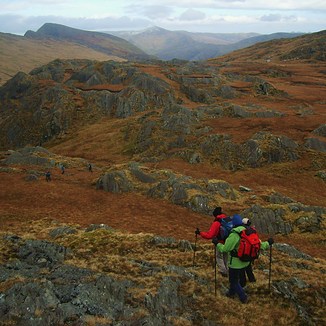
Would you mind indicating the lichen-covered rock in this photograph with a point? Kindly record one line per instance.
(322, 175)
(115, 181)
(291, 251)
(320, 131)
(61, 231)
(268, 220)
(277, 198)
(309, 223)
(42, 253)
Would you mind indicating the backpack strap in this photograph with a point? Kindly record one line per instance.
(234, 252)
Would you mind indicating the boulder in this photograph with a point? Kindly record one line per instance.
(315, 144)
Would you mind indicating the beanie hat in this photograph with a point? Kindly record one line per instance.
(217, 211)
(246, 221)
(237, 220)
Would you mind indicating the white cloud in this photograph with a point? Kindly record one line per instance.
(152, 11)
(279, 18)
(192, 14)
(271, 18)
(239, 4)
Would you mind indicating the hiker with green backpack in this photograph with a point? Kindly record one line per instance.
(238, 257)
(218, 230)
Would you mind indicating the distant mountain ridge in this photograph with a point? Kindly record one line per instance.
(183, 45)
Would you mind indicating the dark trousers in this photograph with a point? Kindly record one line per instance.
(235, 288)
(247, 272)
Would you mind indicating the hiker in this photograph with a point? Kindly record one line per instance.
(248, 270)
(90, 167)
(237, 266)
(63, 169)
(48, 176)
(221, 258)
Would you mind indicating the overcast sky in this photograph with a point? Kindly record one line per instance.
(216, 16)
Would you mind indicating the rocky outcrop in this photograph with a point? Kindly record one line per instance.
(30, 156)
(275, 219)
(237, 111)
(295, 290)
(320, 131)
(202, 196)
(66, 93)
(41, 157)
(155, 137)
(263, 148)
(268, 220)
(54, 293)
(198, 195)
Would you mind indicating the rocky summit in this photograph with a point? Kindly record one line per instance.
(107, 168)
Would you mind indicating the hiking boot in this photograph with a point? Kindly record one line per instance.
(244, 300)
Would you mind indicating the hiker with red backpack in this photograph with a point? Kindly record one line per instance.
(214, 231)
(239, 257)
(248, 270)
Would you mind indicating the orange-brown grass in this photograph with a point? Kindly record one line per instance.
(6, 285)
(72, 198)
(96, 321)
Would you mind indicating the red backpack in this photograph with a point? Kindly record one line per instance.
(249, 246)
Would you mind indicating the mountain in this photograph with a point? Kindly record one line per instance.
(102, 42)
(168, 142)
(168, 45)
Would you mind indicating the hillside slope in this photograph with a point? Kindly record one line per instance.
(53, 41)
(305, 47)
(223, 118)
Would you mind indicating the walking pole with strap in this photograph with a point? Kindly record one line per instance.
(215, 267)
(270, 267)
(193, 262)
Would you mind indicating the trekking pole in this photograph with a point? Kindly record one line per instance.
(270, 268)
(215, 268)
(193, 262)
